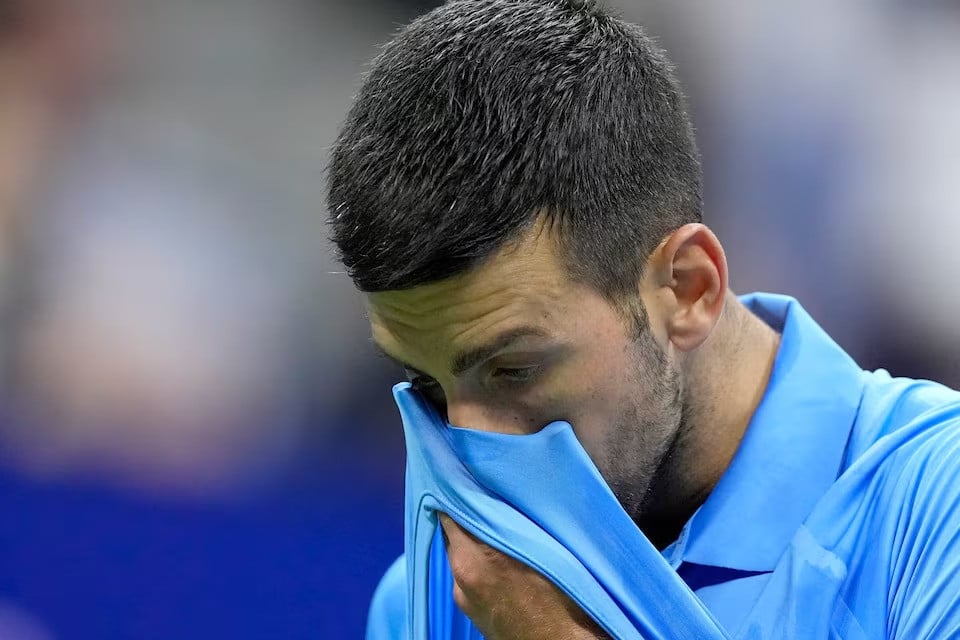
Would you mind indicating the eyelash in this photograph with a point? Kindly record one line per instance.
(513, 377)
(517, 376)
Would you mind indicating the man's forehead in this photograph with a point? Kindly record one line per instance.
(523, 289)
(454, 338)
(467, 298)
(535, 251)
(436, 327)
(464, 358)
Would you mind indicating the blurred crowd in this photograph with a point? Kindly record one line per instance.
(175, 330)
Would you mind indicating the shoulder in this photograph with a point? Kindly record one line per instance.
(388, 609)
(923, 475)
(915, 453)
(898, 411)
(923, 501)
(893, 519)
(901, 478)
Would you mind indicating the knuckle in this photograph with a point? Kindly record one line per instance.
(466, 572)
(461, 600)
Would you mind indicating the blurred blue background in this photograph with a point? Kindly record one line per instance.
(196, 437)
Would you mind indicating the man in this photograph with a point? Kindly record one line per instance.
(517, 190)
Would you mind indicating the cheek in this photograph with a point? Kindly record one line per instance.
(593, 395)
(593, 423)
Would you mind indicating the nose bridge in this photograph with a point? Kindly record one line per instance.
(475, 414)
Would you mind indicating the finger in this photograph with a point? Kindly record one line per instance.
(465, 564)
(454, 534)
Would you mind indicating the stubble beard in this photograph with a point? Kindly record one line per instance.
(641, 447)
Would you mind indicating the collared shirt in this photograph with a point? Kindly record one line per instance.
(839, 515)
(791, 453)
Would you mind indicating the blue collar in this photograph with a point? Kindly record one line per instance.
(790, 455)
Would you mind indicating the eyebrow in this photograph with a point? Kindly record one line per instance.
(466, 360)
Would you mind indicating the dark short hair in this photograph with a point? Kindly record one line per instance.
(483, 115)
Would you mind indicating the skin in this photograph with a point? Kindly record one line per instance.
(660, 412)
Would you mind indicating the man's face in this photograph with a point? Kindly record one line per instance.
(515, 344)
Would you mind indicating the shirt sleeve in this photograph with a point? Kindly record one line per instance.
(388, 609)
(923, 600)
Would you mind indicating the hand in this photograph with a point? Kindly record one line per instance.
(506, 599)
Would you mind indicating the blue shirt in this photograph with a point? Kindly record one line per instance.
(838, 517)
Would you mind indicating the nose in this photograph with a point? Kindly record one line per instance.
(475, 415)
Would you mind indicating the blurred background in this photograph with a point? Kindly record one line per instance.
(196, 437)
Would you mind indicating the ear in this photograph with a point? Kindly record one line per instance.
(688, 272)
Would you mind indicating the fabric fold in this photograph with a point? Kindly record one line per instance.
(539, 499)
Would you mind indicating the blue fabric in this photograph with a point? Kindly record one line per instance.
(537, 498)
(701, 576)
(839, 516)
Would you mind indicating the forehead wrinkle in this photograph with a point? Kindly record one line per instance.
(447, 305)
(402, 310)
(439, 349)
(396, 348)
(465, 331)
(526, 301)
(521, 286)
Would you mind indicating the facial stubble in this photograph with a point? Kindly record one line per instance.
(640, 448)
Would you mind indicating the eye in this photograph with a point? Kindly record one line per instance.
(517, 375)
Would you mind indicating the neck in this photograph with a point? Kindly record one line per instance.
(724, 382)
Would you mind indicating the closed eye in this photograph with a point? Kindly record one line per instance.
(517, 375)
